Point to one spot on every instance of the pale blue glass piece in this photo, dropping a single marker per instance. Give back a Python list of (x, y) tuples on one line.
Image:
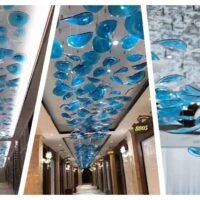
[(154, 56), (129, 42), (168, 121), (83, 112), (188, 98), (65, 115), (72, 106), (80, 19), (97, 94), (103, 115), (164, 93), (13, 82), (15, 68), (60, 75), (8, 7), (175, 44), (77, 81), (67, 95), (195, 151), (136, 78), (109, 61), (122, 70), (91, 57), (170, 111), (101, 45), (93, 80), (116, 92), (121, 11), (134, 57), (61, 88), (171, 103), (134, 26), (113, 112), (172, 78), (105, 28), (3, 30), (117, 80), (190, 90), (63, 66), (190, 130), (139, 66), (100, 71), (93, 8), (89, 87), (18, 19), (57, 49), (83, 68), (80, 92), (19, 32), (73, 57), (19, 57), (79, 40), (3, 39)]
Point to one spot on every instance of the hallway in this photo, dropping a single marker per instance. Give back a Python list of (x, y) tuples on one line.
[(5, 189), (88, 189)]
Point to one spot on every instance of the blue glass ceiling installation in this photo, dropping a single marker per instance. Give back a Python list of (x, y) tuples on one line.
[(97, 69), (174, 33)]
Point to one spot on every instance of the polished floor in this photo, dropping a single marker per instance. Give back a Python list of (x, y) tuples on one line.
[(5, 189), (88, 190)]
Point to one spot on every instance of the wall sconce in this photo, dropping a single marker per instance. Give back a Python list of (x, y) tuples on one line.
[(48, 158), (68, 167), (74, 169), (124, 152), (92, 169)]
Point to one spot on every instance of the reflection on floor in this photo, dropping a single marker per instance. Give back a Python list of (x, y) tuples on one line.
[(88, 189), (5, 189)]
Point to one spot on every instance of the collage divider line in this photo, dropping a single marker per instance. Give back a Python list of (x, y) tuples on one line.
[(38, 101), (153, 100)]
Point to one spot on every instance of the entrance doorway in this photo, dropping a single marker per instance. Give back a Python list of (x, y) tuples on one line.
[(86, 176)]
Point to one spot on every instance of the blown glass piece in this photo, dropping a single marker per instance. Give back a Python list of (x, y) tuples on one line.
[(190, 90), (134, 57), (91, 57), (81, 19), (8, 7), (18, 19), (93, 80), (15, 68), (3, 30), (93, 8), (80, 92), (195, 151), (79, 40), (121, 11), (171, 103), (170, 111), (116, 92), (154, 56), (101, 45), (133, 24), (65, 115), (77, 80), (13, 82), (60, 75), (105, 28), (89, 87), (109, 61), (164, 93), (176, 44), (72, 106), (63, 66), (3, 39), (67, 95), (73, 57), (136, 78), (61, 88), (57, 49), (83, 69), (122, 70), (97, 94), (188, 98), (129, 42), (117, 80), (186, 130), (139, 66), (19, 57), (99, 71), (172, 78)]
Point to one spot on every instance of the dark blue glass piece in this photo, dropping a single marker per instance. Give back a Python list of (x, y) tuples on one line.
[(97, 94), (105, 28), (93, 80), (122, 70), (116, 92), (3, 39), (129, 42), (100, 71), (61, 88), (3, 30), (176, 44), (60, 75), (80, 92), (19, 57), (89, 87), (93, 8), (77, 80), (13, 82), (109, 61), (63, 66), (65, 115), (83, 112), (67, 95), (79, 40), (15, 68), (134, 57), (73, 57), (57, 49), (91, 57), (139, 66), (117, 80), (101, 45), (172, 78), (154, 56), (136, 78), (81, 19), (195, 151), (133, 24), (18, 18), (121, 11), (83, 69)]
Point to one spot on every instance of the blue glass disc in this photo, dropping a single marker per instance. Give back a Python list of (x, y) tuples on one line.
[(83, 69), (129, 42), (139, 66), (60, 75), (73, 57), (79, 40), (91, 57), (109, 61), (15, 68), (101, 45), (173, 44), (134, 57), (13, 82), (100, 71), (195, 151), (122, 70), (63, 66), (3, 29), (172, 78), (121, 11), (93, 8), (136, 78), (93, 80), (57, 49), (19, 57), (117, 80), (3, 39), (77, 80), (18, 18)]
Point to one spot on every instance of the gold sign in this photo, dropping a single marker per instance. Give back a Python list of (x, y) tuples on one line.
[(141, 128)]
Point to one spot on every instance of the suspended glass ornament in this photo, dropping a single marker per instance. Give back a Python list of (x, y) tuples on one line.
[(122, 70), (79, 40), (83, 68), (65, 115), (63, 66), (18, 18), (3, 29), (100, 71), (101, 45), (129, 42), (134, 57), (13, 82), (195, 151), (136, 78), (93, 80), (121, 11), (172, 78), (117, 80), (60, 75), (164, 93), (83, 112), (67, 95), (80, 92), (171, 103), (61, 88), (93, 8), (73, 57), (72, 106), (97, 94), (81, 19), (189, 130), (77, 80), (190, 90), (19, 57), (89, 87), (91, 57), (15, 68), (19, 32), (105, 28), (116, 92), (139, 66), (154, 56), (3, 39), (109, 61), (57, 49)]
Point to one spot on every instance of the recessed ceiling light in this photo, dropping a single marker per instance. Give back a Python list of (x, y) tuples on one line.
[(109, 70), (115, 42)]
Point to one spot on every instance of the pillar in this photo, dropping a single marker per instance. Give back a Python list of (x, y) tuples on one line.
[(57, 175), (79, 177)]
